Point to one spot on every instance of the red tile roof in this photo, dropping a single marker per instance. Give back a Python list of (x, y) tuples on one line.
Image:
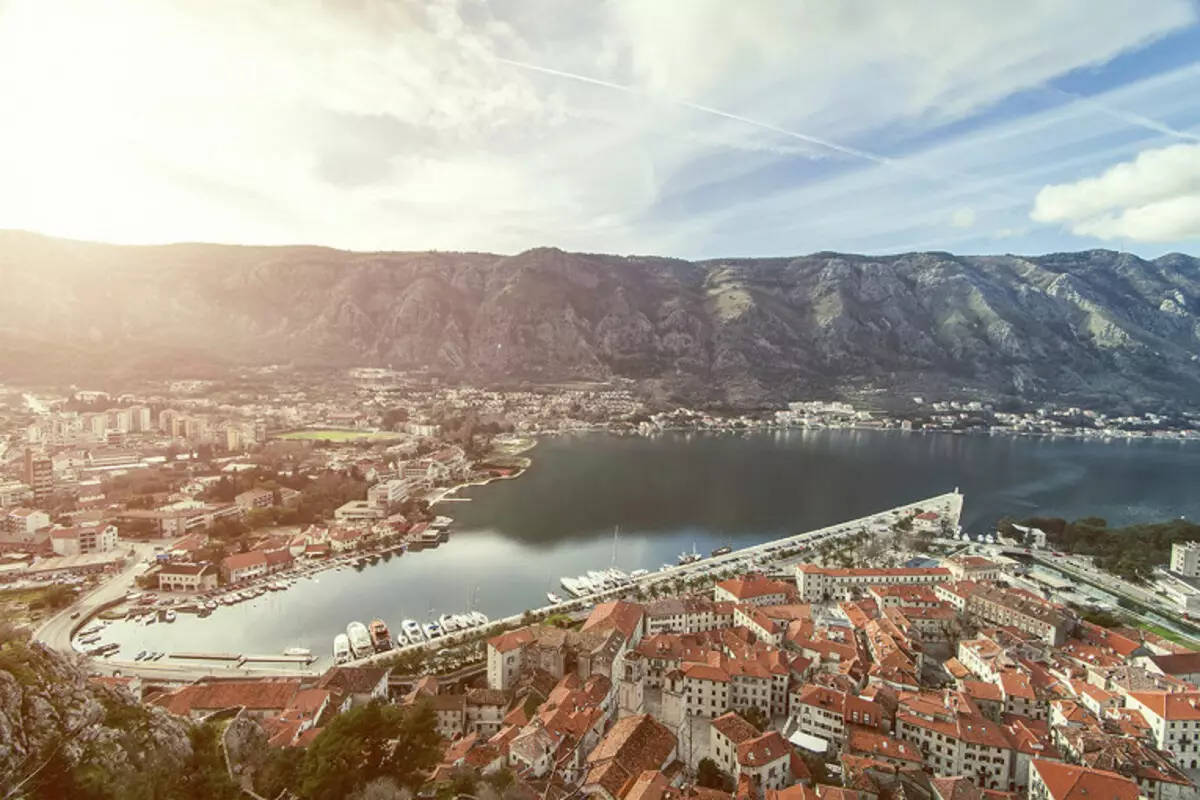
[(617, 615), (1068, 782), (733, 727), (769, 747), (512, 640), (1177, 706)]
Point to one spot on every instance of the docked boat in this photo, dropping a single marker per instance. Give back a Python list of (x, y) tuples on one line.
[(723, 550), (639, 573), (689, 558), (210, 605), (141, 655), (298, 652), (413, 630), (381, 639), (617, 575), (169, 616), (478, 618), (553, 598), (399, 639), (433, 630), (448, 622), (360, 640), (465, 621), (573, 586), (341, 649)]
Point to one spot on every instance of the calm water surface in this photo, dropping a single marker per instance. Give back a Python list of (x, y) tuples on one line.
[(514, 539)]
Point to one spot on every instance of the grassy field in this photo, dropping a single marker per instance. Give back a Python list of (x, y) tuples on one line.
[(339, 436), (1170, 635)]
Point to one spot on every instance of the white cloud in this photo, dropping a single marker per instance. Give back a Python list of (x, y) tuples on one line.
[(1153, 198), (963, 218), (751, 126)]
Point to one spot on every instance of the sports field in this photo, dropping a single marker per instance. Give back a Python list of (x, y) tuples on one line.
[(339, 436)]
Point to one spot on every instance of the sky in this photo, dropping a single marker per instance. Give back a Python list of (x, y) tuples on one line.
[(690, 128)]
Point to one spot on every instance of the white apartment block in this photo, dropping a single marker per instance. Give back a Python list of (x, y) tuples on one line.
[(1185, 559), (1174, 721)]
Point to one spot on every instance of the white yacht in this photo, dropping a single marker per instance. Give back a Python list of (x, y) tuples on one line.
[(639, 573), (360, 640), (433, 630), (448, 622), (341, 649), (553, 598), (412, 629), (478, 618), (302, 651)]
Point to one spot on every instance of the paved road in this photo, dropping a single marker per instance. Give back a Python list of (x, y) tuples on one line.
[(56, 631)]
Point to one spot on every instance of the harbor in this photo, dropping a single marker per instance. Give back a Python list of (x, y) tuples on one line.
[(305, 607)]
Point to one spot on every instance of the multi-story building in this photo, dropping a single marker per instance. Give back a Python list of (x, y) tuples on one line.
[(1050, 780), (973, 568), (1185, 559), (255, 498), (1174, 720), (740, 750), (187, 577), (827, 714), (25, 521), (956, 737), (555, 650), (752, 589), (687, 615), (14, 493), (819, 584), (39, 475), (84, 539), (1022, 611)]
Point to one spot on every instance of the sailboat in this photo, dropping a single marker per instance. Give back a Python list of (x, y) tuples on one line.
[(689, 558)]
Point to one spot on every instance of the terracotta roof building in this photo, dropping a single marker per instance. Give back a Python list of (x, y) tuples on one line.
[(632, 746), (1049, 780)]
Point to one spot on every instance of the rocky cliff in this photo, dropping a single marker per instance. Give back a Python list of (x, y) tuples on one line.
[(1088, 325), (63, 736)]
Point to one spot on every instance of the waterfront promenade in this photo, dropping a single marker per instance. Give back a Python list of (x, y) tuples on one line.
[(947, 506)]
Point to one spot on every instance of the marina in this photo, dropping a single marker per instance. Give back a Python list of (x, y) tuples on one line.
[(519, 538)]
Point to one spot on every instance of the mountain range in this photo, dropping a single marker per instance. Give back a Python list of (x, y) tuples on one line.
[(1096, 326)]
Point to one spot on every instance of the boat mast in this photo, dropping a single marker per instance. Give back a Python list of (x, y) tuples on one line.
[(616, 530)]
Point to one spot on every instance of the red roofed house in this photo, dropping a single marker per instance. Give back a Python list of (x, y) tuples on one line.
[(244, 566), (1050, 780), (754, 589), (769, 761), (625, 618), (956, 738), (262, 698), (632, 746), (1175, 721), (505, 656), (187, 577)]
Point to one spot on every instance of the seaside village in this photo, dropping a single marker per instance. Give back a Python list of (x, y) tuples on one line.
[(937, 683)]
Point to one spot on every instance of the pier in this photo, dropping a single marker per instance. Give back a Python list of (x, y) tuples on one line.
[(240, 659)]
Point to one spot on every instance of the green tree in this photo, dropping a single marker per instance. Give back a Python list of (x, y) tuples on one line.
[(205, 777), (279, 771), (709, 775), (756, 717), (369, 742)]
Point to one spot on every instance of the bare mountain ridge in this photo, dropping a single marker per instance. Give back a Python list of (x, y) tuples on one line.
[(1089, 324)]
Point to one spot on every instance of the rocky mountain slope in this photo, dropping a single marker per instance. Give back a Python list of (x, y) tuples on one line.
[(1089, 325), (62, 736)]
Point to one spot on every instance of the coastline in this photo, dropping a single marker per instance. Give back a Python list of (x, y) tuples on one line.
[(513, 452)]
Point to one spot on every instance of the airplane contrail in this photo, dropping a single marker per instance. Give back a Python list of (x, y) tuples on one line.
[(903, 166), (1126, 116), (766, 126)]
